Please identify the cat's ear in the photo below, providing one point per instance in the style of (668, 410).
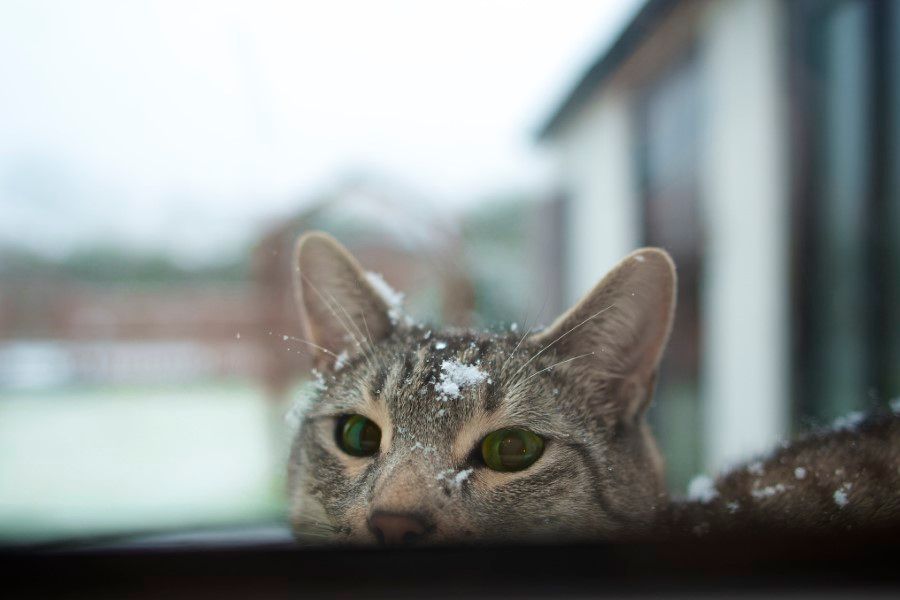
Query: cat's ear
(341, 309)
(622, 325)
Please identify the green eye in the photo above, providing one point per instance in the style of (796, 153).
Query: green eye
(358, 436)
(511, 449)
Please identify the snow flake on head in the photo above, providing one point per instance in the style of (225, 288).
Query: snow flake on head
(455, 376)
(423, 447)
(800, 473)
(702, 489)
(319, 381)
(440, 345)
(340, 360)
(392, 298)
(454, 478)
(462, 476)
(298, 410)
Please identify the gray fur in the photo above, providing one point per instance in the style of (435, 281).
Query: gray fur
(574, 384)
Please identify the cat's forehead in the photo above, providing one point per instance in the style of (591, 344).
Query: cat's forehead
(435, 381)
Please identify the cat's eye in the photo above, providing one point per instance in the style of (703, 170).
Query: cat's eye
(511, 449)
(358, 436)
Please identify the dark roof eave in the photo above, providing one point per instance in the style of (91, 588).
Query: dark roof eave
(640, 26)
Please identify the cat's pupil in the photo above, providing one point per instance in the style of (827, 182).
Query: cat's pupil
(512, 447)
(358, 436)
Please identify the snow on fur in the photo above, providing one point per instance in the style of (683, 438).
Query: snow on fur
(455, 376)
(392, 297)
(755, 468)
(455, 478)
(840, 495)
(702, 489)
(768, 491)
(849, 421)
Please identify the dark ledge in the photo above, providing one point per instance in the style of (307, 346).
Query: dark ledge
(268, 565)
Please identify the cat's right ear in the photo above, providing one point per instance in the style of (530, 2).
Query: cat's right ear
(341, 310)
(618, 332)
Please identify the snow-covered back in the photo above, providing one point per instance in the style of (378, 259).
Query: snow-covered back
(849, 421)
(702, 489)
(768, 491)
(840, 495)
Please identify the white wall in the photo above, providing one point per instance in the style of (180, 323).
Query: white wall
(744, 191)
(746, 198)
(603, 219)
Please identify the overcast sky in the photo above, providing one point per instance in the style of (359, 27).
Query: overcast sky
(183, 125)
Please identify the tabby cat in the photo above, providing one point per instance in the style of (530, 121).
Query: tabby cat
(420, 435)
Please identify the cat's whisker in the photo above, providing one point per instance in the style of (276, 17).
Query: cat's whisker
(315, 531)
(335, 315)
(526, 329)
(356, 377)
(350, 320)
(371, 343)
(561, 336)
(519, 343)
(557, 364)
(308, 343)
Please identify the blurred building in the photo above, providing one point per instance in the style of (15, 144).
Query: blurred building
(759, 142)
(55, 331)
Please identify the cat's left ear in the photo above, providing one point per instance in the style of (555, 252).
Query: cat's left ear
(620, 329)
(341, 309)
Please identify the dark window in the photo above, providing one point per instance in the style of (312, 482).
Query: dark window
(844, 75)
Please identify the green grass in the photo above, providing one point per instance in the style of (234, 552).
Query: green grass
(113, 460)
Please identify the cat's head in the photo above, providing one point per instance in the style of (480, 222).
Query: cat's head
(425, 435)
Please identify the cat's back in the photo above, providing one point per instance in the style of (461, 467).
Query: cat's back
(842, 479)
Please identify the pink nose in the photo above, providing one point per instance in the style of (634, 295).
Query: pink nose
(393, 529)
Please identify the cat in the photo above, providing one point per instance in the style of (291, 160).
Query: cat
(424, 436)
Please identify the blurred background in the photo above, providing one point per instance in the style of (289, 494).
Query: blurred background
(491, 159)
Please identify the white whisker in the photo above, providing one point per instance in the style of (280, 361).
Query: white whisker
(557, 364)
(561, 336)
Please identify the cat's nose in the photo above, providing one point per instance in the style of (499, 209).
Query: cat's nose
(395, 529)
